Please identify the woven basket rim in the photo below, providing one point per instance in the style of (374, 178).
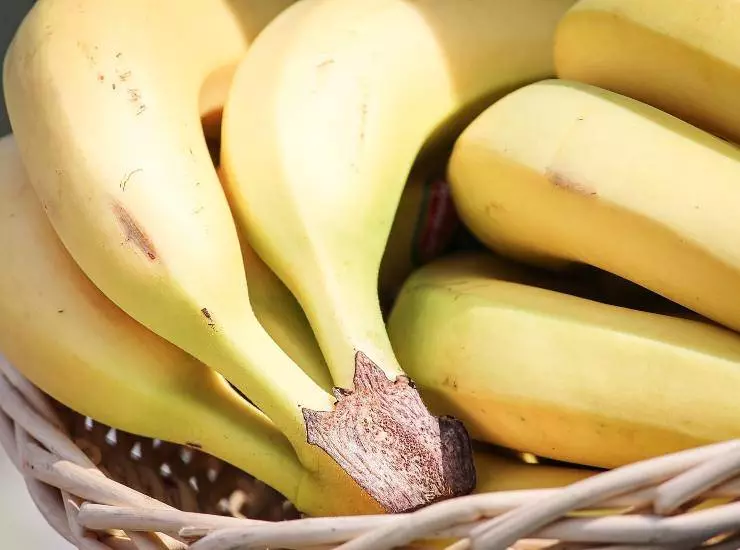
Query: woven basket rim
(651, 504)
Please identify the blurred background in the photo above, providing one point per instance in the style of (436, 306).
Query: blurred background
(21, 525)
(11, 14)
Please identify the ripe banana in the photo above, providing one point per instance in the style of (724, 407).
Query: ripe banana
(107, 118)
(319, 184)
(498, 471)
(682, 57)
(557, 375)
(71, 341)
(423, 229)
(561, 172)
(336, 100)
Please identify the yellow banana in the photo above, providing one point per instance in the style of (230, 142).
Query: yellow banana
(682, 57)
(498, 471)
(320, 181)
(545, 372)
(324, 119)
(71, 341)
(423, 229)
(107, 118)
(561, 172)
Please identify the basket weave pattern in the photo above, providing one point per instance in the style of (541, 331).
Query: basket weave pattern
(102, 489)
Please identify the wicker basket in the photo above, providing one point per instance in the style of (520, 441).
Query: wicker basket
(102, 489)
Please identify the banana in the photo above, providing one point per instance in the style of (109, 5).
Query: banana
(682, 57)
(423, 229)
(145, 385)
(335, 102)
(107, 119)
(318, 187)
(563, 377)
(497, 471)
(560, 172)
(72, 342)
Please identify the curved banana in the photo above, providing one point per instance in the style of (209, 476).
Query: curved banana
(498, 471)
(71, 341)
(541, 371)
(422, 230)
(107, 118)
(561, 172)
(328, 156)
(325, 118)
(683, 58)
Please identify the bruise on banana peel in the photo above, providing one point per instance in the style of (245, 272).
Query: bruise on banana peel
(383, 436)
(568, 184)
(133, 232)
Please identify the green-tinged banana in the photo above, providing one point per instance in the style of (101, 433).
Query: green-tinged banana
(327, 113)
(561, 172)
(71, 341)
(107, 118)
(559, 376)
(422, 230)
(682, 57)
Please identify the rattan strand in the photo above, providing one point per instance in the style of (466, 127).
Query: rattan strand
(103, 489)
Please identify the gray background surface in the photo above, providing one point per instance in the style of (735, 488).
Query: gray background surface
(11, 14)
(21, 526)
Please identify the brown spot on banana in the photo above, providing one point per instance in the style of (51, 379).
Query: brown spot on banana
(564, 182)
(133, 232)
(209, 318)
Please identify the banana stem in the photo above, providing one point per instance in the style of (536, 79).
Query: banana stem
(380, 433)
(260, 449)
(276, 385)
(347, 323)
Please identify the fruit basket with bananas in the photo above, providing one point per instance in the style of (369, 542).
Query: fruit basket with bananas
(218, 337)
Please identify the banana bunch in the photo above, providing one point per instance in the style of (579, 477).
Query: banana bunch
(68, 337)
(238, 225)
(209, 208)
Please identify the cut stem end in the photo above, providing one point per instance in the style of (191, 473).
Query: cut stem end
(383, 436)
